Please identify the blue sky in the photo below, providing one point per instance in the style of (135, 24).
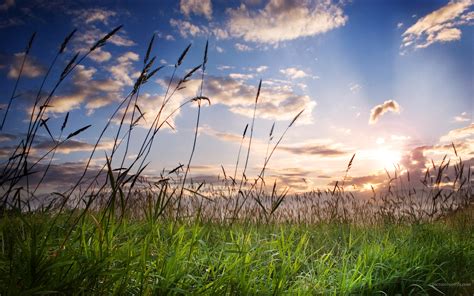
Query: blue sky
(382, 79)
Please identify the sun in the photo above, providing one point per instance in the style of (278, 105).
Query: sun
(387, 157)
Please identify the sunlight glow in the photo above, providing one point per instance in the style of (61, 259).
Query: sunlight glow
(387, 157)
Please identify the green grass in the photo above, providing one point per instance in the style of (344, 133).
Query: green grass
(145, 257)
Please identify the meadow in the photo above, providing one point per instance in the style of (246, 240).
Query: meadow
(120, 232)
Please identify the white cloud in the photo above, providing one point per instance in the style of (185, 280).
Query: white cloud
(293, 73)
(439, 25)
(186, 28)
(121, 72)
(462, 118)
(169, 37)
(261, 69)
(282, 20)
(399, 25)
(87, 89)
(197, 7)
(381, 109)
(224, 67)
(100, 55)
(93, 15)
(83, 41)
(458, 134)
(275, 102)
(220, 33)
(354, 87)
(242, 47)
(219, 49)
(240, 76)
(31, 68)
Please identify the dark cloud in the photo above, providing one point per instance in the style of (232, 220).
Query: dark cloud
(321, 150)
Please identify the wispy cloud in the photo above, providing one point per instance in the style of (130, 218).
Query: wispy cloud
(87, 89)
(282, 20)
(242, 47)
(93, 15)
(440, 25)
(197, 7)
(293, 73)
(458, 134)
(240, 76)
(261, 69)
(381, 109)
(31, 69)
(224, 67)
(275, 103)
(186, 28)
(89, 19)
(223, 136)
(354, 87)
(122, 71)
(463, 117)
(71, 146)
(315, 149)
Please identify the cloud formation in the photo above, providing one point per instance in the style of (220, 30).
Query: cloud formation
(89, 19)
(379, 110)
(242, 47)
(31, 69)
(186, 28)
(463, 117)
(354, 87)
(293, 73)
(72, 145)
(93, 15)
(458, 134)
(197, 7)
(319, 150)
(85, 88)
(275, 102)
(283, 20)
(222, 136)
(439, 25)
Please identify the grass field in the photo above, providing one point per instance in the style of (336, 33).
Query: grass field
(163, 257)
(115, 233)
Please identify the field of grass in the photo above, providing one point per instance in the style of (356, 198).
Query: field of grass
(117, 233)
(163, 257)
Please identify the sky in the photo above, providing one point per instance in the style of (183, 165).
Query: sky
(389, 81)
